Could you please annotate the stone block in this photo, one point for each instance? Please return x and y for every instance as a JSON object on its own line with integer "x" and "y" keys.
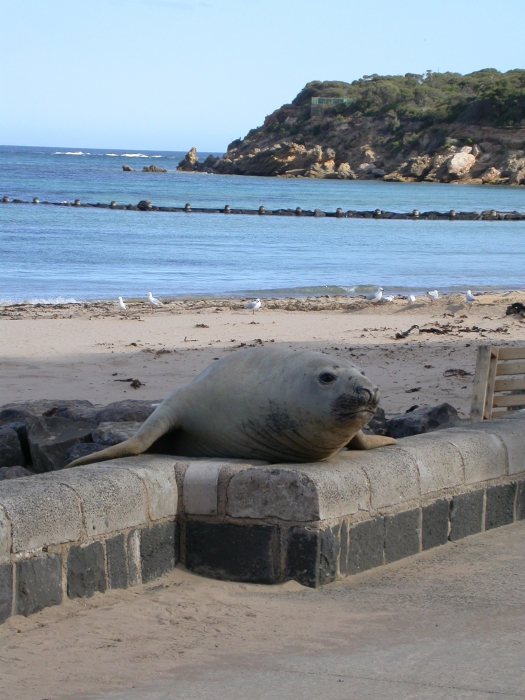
{"x": 499, "y": 507}
{"x": 49, "y": 438}
{"x": 365, "y": 546}
{"x": 466, "y": 513}
{"x": 200, "y": 487}
{"x": 311, "y": 556}
{"x": 6, "y": 591}
{"x": 341, "y": 485}
{"x": 233, "y": 552}
{"x": 513, "y": 435}
{"x": 392, "y": 474}
{"x": 81, "y": 450}
{"x": 39, "y": 583}
{"x": 41, "y": 511}
{"x": 127, "y": 410}
{"x": 133, "y": 557}
{"x": 439, "y": 462}
{"x": 117, "y": 562}
{"x": 85, "y": 570}
{"x": 5, "y": 537}
{"x": 157, "y": 473}
{"x": 157, "y": 550}
{"x": 112, "y": 499}
{"x": 402, "y": 532}
{"x": 435, "y": 524}
{"x": 520, "y": 501}
{"x": 10, "y": 449}
{"x": 484, "y": 454}
{"x": 14, "y": 473}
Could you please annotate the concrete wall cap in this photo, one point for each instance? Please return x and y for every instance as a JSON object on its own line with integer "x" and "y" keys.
{"x": 200, "y": 487}
{"x": 112, "y": 499}
{"x": 42, "y": 511}
{"x": 513, "y": 435}
{"x": 392, "y": 474}
{"x": 484, "y": 454}
{"x": 157, "y": 473}
{"x": 438, "y": 461}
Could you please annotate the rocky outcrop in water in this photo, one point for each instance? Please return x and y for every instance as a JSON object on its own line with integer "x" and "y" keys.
{"x": 153, "y": 169}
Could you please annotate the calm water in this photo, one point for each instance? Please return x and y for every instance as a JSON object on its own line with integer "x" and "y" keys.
{"x": 54, "y": 252}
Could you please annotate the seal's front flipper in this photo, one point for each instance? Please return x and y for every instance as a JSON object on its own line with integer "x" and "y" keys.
{"x": 362, "y": 441}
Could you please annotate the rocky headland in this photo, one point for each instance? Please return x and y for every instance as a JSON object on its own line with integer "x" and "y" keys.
{"x": 436, "y": 127}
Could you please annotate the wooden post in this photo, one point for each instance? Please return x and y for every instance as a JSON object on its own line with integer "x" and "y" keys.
{"x": 479, "y": 393}
{"x": 489, "y": 397}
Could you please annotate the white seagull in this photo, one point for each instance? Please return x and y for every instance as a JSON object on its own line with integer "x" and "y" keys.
{"x": 121, "y": 304}
{"x": 253, "y": 305}
{"x": 375, "y": 297}
{"x": 411, "y": 298}
{"x": 154, "y": 303}
{"x": 388, "y": 298}
{"x": 434, "y": 296}
{"x": 469, "y": 297}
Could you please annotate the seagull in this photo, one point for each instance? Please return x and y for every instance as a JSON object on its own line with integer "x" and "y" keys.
{"x": 389, "y": 298}
{"x": 376, "y": 296}
{"x": 433, "y": 296}
{"x": 253, "y": 305}
{"x": 411, "y": 298}
{"x": 152, "y": 301}
{"x": 121, "y": 304}
{"x": 469, "y": 297}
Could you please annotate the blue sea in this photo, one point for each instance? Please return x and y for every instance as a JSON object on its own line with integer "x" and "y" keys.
{"x": 61, "y": 253}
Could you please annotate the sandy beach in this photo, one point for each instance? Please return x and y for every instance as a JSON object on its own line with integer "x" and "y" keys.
{"x": 88, "y": 351}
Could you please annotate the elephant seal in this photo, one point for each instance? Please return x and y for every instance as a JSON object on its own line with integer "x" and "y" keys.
{"x": 273, "y": 404}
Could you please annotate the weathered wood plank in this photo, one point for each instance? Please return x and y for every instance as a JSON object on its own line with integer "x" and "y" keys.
{"x": 512, "y": 353}
{"x": 479, "y": 392}
{"x": 509, "y": 384}
{"x": 509, "y": 400}
{"x": 487, "y": 413}
{"x": 510, "y": 368}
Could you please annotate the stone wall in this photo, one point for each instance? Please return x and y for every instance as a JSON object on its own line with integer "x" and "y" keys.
{"x": 117, "y": 524}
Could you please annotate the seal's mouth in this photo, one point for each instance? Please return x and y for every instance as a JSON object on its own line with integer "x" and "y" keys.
{"x": 349, "y": 406}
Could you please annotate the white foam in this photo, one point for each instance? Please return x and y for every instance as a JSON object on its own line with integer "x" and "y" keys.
{"x": 112, "y": 154}
{"x": 133, "y": 155}
{"x": 55, "y": 301}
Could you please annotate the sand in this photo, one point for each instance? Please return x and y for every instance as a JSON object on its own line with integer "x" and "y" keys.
{"x": 85, "y": 351}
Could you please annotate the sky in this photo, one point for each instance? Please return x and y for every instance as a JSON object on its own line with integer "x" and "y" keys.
{"x": 171, "y": 74}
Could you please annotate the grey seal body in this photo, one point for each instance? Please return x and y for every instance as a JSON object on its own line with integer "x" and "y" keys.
{"x": 273, "y": 404}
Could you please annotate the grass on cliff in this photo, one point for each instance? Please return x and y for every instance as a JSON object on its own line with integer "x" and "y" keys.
{"x": 485, "y": 97}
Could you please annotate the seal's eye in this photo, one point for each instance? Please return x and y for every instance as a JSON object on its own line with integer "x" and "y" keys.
{"x": 327, "y": 378}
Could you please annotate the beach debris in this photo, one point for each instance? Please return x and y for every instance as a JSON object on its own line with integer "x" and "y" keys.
{"x": 253, "y": 305}
{"x": 457, "y": 373}
{"x": 412, "y": 408}
{"x": 153, "y": 302}
{"x": 405, "y": 334}
{"x": 136, "y": 384}
{"x": 434, "y": 295}
{"x": 516, "y": 308}
{"x": 413, "y": 391}
{"x": 201, "y": 325}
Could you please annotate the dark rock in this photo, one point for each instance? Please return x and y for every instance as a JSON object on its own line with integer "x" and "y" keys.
{"x": 21, "y": 431}
{"x": 39, "y": 583}
{"x": 113, "y": 433}
{"x": 158, "y": 549}
{"x": 127, "y": 410}
{"x": 190, "y": 162}
{"x": 378, "y": 424}
{"x": 49, "y": 438}
{"x": 10, "y": 449}
{"x": 144, "y": 205}
{"x": 422, "y": 420}
{"x": 153, "y": 169}
{"x": 516, "y": 308}
{"x": 232, "y": 552}
{"x": 128, "y": 168}
{"x": 15, "y": 412}
{"x": 14, "y": 472}
{"x": 81, "y": 450}
{"x": 85, "y": 571}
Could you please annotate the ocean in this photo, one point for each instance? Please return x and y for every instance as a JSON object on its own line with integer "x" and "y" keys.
{"x": 50, "y": 254}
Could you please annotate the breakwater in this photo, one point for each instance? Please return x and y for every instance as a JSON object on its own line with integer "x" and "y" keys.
{"x": 415, "y": 215}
